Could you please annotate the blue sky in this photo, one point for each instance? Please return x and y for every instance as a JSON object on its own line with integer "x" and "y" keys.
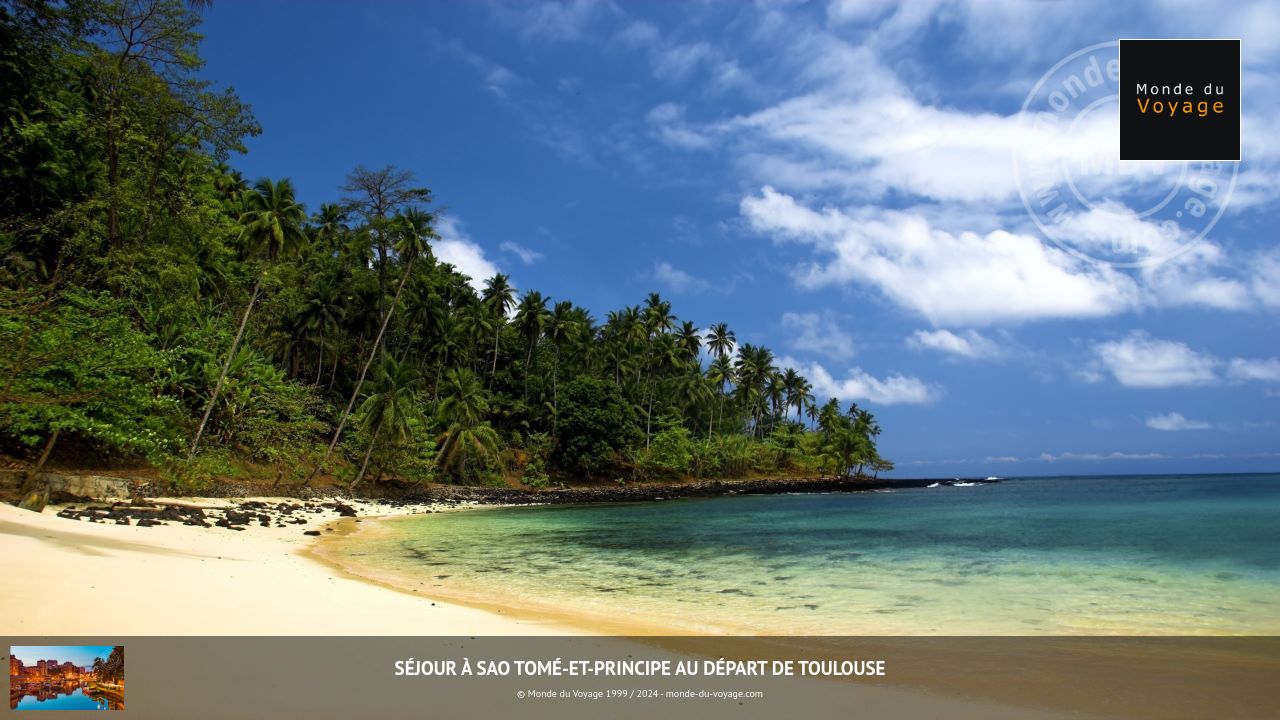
{"x": 834, "y": 180}
{"x": 79, "y": 655}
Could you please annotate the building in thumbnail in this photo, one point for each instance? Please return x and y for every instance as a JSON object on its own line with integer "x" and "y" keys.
{"x": 15, "y": 667}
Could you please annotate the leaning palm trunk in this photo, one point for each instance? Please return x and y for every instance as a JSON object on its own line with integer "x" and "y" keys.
{"x": 319, "y": 361}
{"x": 226, "y": 366}
{"x": 496, "y": 334}
{"x": 355, "y": 391}
{"x": 528, "y": 360}
{"x": 368, "y": 453}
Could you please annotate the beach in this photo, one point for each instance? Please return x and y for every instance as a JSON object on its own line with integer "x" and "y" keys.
{"x": 67, "y": 577}
{"x": 77, "y": 578}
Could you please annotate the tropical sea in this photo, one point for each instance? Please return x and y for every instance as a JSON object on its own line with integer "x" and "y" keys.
{"x": 1115, "y": 555}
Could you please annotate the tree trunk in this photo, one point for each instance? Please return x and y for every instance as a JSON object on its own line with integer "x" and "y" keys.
{"x": 493, "y": 371}
{"x": 368, "y": 453}
{"x": 320, "y": 361}
{"x": 35, "y": 494}
{"x": 648, "y": 420}
{"x": 226, "y": 366}
{"x": 355, "y": 392}
{"x": 555, "y": 389}
{"x": 528, "y": 359}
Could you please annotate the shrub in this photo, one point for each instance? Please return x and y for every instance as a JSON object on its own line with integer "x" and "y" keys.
{"x": 595, "y": 426}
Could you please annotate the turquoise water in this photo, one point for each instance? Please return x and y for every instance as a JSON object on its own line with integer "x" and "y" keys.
{"x": 1166, "y": 555}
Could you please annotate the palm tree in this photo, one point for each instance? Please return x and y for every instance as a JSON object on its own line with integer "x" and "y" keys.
{"x": 391, "y": 408}
{"x": 321, "y": 316}
{"x": 754, "y": 364}
{"x": 330, "y": 228}
{"x": 531, "y": 318}
{"x": 720, "y": 373}
{"x": 690, "y": 342}
{"x": 775, "y": 393}
{"x": 720, "y": 340}
{"x": 272, "y": 227}
{"x": 463, "y": 410}
{"x": 802, "y": 398}
{"x": 561, "y": 327}
{"x": 499, "y": 297}
{"x": 413, "y": 230}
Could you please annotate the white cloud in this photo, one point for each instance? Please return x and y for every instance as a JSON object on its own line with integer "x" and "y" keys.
{"x": 1174, "y": 421}
{"x": 1049, "y": 457}
{"x": 559, "y": 20}
{"x": 677, "y": 280}
{"x": 819, "y": 334}
{"x": 859, "y": 386}
{"x": 949, "y": 278}
{"x": 528, "y": 256}
{"x": 667, "y": 121}
{"x": 892, "y": 142}
{"x": 1244, "y": 370}
{"x": 456, "y": 248}
{"x": 675, "y": 62}
{"x": 1141, "y": 361}
{"x": 1265, "y": 280}
{"x": 970, "y": 344}
{"x": 496, "y": 78}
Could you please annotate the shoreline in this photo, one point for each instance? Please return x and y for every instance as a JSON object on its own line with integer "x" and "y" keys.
{"x": 184, "y": 580}
{"x": 323, "y": 550}
{"x": 190, "y": 580}
{"x": 72, "y": 487}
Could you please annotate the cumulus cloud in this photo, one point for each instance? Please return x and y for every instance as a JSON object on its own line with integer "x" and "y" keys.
{"x": 970, "y": 344}
{"x": 860, "y": 386}
{"x": 456, "y": 248}
{"x": 819, "y": 334}
{"x": 1141, "y": 361}
{"x": 949, "y": 278}
{"x": 1174, "y": 421}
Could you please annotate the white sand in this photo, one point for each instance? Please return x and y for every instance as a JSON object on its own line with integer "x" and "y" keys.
{"x": 73, "y": 577}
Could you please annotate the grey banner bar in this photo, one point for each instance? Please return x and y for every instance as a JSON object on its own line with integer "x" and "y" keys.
{"x": 962, "y": 677}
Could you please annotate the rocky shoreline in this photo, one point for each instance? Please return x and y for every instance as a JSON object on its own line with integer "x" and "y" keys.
{"x": 316, "y": 504}
{"x": 652, "y": 492}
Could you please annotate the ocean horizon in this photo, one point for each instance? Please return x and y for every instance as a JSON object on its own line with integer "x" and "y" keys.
{"x": 1051, "y": 555}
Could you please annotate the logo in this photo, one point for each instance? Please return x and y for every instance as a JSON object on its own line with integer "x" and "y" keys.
{"x": 1080, "y": 192}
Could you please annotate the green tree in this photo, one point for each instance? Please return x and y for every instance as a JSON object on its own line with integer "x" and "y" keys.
{"x": 272, "y": 228}
{"x": 595, "y": 427}
{"x": 498, "y": 297}
{"x": 464, "y": 407}
{"x": 391, "y": 408}
{"x": 531, "y": 319}
{"x": 414, "y": 231}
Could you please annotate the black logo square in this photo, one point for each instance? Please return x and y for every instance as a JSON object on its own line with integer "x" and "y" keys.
{"x": 1179, "y": 99}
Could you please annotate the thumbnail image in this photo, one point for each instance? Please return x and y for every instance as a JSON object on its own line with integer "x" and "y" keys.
{"x": 66, "y": 677}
